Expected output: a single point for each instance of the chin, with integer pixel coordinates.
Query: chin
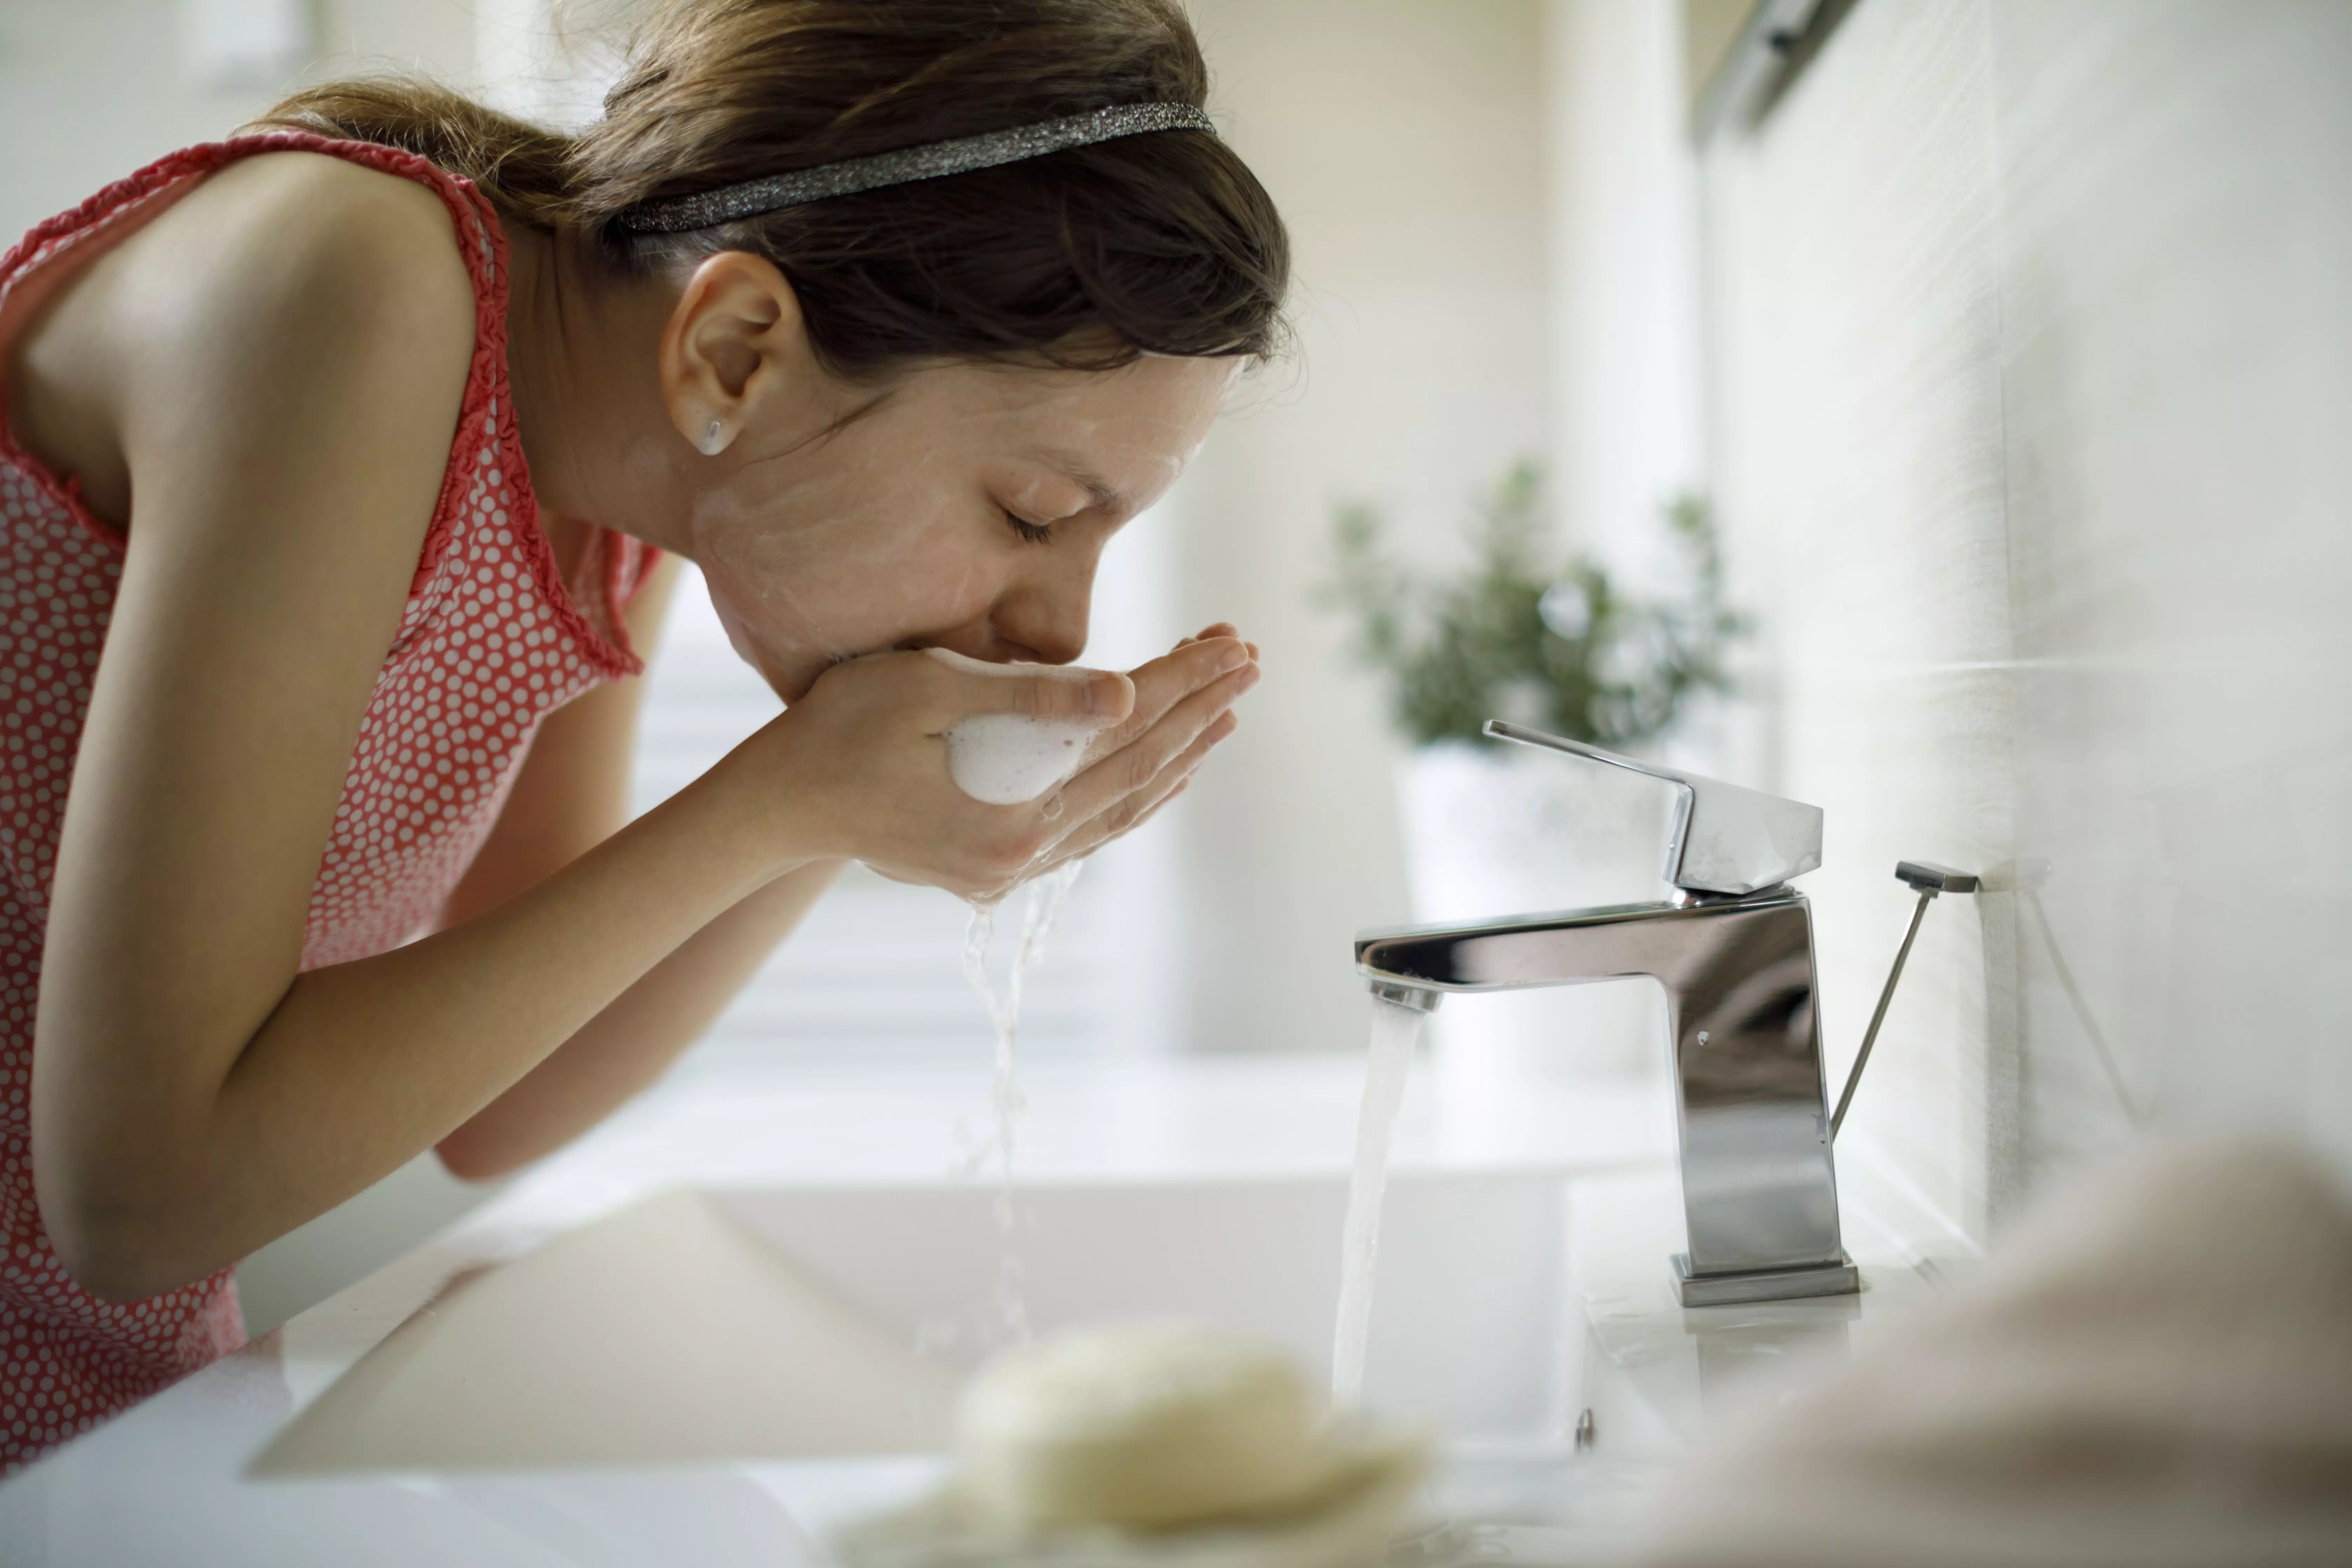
(791, 679)
(791, 685)
(788, 676)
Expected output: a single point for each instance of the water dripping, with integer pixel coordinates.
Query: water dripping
(1041, 906)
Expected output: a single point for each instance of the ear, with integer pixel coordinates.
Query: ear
(735, 346)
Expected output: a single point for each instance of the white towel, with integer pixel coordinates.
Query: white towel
(2155, 1371)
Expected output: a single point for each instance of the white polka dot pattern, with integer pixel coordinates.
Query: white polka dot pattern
(489, 644)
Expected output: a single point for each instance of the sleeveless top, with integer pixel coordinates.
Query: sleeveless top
(492, 640)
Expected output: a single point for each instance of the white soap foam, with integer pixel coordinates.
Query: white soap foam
(1005, 759)
(1395, 1031)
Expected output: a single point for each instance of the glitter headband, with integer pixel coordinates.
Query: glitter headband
(929, 160)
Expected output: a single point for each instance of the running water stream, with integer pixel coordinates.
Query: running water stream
(1395, 1031)
(1040, 905)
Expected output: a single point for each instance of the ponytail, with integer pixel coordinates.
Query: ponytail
(524, 170)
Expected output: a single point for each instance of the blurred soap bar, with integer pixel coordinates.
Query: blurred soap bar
(1139, 1426)
(1005, 759)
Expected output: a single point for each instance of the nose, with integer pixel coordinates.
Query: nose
(1045, 616)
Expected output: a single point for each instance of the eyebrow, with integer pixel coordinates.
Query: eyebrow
(1100, 491)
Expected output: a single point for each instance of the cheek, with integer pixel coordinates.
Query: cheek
(764, 598)
(809, 579)
(750, 649)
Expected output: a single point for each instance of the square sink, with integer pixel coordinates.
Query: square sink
(819, 1324)
(1470, 1320)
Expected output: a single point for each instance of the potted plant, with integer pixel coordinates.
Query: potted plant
(1547, 638)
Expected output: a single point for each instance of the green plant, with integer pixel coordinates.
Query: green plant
(1524, 636)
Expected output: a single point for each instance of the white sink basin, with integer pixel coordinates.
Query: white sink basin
(1468, 1316)
(818, 1324)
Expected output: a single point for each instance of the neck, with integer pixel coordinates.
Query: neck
(582, 345)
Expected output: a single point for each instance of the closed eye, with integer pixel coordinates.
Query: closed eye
(1034, 533)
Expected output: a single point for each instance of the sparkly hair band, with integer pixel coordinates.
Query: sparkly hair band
(705, 209)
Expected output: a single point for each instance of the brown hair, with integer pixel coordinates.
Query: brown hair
(1160, 243)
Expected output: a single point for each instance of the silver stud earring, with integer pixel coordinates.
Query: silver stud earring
(714, 440)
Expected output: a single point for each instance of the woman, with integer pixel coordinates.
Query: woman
(315, 722)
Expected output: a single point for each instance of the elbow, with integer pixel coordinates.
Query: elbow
(121, 1240)
(116, 1256)
(471, 1156)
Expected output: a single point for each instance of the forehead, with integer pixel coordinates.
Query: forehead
(1159, 401)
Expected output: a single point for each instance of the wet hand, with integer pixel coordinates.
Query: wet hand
(858, 769)
(1183, 704)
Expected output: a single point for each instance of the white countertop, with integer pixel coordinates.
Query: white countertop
(165, 1483)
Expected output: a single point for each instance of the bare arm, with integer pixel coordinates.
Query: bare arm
(572, 795)
(628, 1044)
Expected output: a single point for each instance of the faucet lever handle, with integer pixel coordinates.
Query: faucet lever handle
(1727, 839)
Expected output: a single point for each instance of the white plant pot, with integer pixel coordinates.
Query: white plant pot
(1504, 830)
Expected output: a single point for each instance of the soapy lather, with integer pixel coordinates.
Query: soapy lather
(1006, 759)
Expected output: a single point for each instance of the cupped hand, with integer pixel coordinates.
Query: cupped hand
(857, 768)
(1183, 709)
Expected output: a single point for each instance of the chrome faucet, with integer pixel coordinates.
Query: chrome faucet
(1734, 950)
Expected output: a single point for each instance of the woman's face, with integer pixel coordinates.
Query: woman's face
(963, 506)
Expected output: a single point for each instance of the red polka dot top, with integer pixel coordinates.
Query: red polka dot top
(492, 641)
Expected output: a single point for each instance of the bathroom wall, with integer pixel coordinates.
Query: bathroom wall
(1622, 188)
(2029, 364)
(1403, 140)
(1857, 460)
(90, 89)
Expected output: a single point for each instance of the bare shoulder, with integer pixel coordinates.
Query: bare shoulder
(288, 269)
(327, 227)
(286, 289)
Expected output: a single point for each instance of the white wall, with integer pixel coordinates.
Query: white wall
(90, 89)
(2031, 365)
(1402, 141)
(1626, 368)
(2177, 367)
(1857, 382)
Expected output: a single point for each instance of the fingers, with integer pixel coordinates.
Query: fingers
(1040, 691)
(1111, 826)
(1161, 804)
(1221, 630)
(1149, 760)
(1103, 695)
(1138, 808)
(1134, 766)
(1168, 679)
(1141, 806)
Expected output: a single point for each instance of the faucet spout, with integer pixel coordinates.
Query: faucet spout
(1411, 999)
(1759, 1190)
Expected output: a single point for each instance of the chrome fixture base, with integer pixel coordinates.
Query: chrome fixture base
(1839, 1278)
